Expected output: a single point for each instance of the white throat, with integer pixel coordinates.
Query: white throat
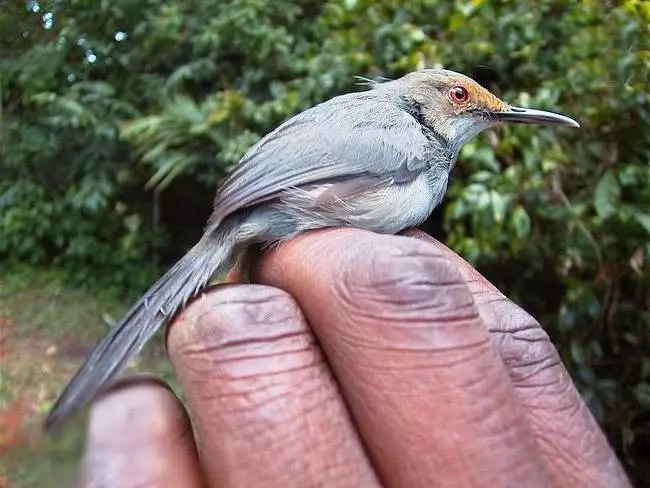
(458, 131)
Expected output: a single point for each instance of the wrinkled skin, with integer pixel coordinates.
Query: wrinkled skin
(358, 360)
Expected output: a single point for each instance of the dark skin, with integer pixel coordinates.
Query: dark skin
(394, 365)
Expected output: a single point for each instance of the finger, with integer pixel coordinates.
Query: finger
(428, 392)
(266, 408)
(573, 446)
(139, 435)
(477, 283)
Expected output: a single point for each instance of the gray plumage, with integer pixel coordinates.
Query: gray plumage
(377, 160)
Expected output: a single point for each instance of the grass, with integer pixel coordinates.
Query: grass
(46, 331)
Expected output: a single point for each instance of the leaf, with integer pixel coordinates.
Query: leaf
(644, 220)
(499, 206)
(520, 222)
(607, 195)
(642, 394)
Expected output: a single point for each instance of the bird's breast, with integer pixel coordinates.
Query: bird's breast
(381, 206)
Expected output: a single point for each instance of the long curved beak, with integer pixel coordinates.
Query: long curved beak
(520, 115)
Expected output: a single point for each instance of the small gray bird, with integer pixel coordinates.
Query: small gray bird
(376, 160)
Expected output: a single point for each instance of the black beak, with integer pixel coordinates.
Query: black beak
(520, 115)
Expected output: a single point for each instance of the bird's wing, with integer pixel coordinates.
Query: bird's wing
(355, 135)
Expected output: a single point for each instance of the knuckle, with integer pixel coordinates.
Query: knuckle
(525, 347)
(148, 412)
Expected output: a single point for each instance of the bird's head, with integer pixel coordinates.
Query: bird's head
(457, 108)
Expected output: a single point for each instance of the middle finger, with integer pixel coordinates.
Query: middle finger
(430, 396)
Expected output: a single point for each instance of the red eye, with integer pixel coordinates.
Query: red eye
(459, 94)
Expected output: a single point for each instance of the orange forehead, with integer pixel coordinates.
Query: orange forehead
(480, 97)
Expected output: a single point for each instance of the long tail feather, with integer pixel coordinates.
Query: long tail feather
(182, 282)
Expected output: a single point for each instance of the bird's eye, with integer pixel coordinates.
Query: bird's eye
(459, 94)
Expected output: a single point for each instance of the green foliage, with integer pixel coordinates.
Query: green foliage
(107, 100)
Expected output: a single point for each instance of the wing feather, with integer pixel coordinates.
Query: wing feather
(358, 134)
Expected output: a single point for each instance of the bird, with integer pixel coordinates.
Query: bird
(377, 159)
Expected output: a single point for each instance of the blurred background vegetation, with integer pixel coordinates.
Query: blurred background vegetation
(118, 119)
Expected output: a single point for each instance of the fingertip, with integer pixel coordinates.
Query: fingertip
(369, 262)
(139, 433)
(186, 326)
(476, 282)
(310, 250)
(205, 319)
(135, 404)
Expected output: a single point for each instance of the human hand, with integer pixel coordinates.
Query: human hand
(359, 360)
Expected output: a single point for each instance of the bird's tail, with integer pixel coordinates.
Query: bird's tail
(213, 254)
